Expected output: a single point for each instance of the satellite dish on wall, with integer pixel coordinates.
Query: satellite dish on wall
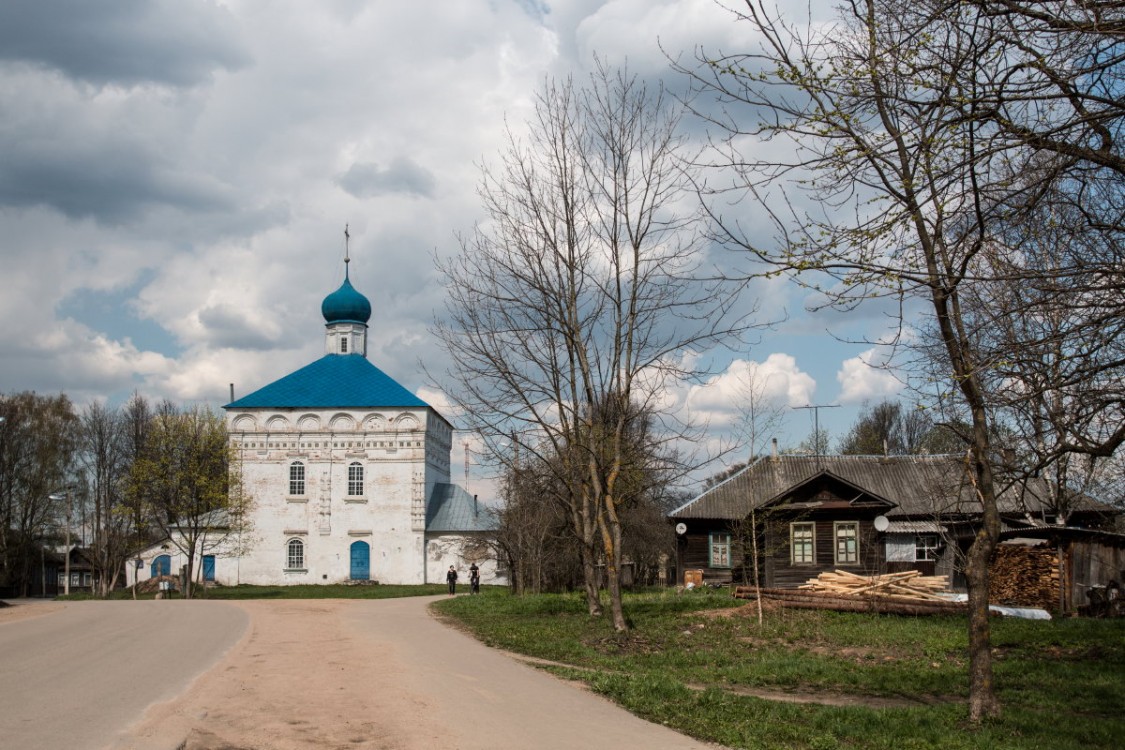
(681, 528)
(881, 523)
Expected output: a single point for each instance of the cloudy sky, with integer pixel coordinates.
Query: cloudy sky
(176, 175)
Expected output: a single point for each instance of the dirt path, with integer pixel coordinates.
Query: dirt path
(381, 674)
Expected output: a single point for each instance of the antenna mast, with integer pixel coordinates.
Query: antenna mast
(816, 426)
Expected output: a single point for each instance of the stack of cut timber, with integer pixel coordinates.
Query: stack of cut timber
(909, 583)
(907, 593)
(1025, 576)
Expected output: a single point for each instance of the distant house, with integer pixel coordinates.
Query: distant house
(865, 514)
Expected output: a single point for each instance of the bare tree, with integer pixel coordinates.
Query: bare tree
(579, 294)
(534, 536)
(104, 468)
(759, 416)
(923, 133)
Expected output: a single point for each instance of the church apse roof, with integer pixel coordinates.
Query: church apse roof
(332, 382)
(451, 508)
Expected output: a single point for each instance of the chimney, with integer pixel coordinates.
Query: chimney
(773, 449)
(474, 505)
(232, 391)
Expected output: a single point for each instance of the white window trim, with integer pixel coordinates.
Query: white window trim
(362, 481)
(920, 549)
(302, 480)
(289, 555)
(836, 526)
(793, 546)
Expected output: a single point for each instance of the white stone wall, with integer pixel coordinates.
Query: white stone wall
(403, 452)
(222, 546)
(460, 551)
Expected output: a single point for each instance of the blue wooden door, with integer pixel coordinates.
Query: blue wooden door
(161, 566)
(361, 561)
(208, 567)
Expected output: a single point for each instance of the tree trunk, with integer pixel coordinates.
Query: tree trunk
(590, 580)
(982, 693)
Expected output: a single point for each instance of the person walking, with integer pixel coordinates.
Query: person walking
(451, 579)
(474, 579)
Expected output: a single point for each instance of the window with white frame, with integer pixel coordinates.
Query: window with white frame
(343, 345)
(802, 543)
(926, 547)
(720, 550)
(295, 555)
(847, 542)
(355, 479)
(296, 478)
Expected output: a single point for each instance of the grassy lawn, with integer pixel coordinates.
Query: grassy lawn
(691, 661)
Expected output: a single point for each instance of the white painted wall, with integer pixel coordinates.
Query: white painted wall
(403, 453)
(460, 551)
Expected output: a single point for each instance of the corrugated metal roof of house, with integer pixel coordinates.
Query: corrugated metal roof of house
(918, 485)
(451, 508)
(334, 381)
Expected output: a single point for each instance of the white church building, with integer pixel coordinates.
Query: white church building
(349, 475)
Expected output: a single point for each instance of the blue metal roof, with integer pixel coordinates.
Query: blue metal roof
(341, 381)
(451, 508)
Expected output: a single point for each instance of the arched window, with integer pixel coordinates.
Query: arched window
(355, 478)
(296, 478)
(295, 555)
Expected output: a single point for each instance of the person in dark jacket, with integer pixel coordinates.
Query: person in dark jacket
(474, 579)
(451, 579)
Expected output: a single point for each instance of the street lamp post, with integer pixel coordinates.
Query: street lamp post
(66, 553)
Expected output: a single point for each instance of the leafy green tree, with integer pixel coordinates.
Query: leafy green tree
(186, 481)
(37, 447)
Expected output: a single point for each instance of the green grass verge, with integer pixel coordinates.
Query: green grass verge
(688, 664)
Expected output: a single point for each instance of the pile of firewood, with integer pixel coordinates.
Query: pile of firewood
(1025, 576)
(910, 583)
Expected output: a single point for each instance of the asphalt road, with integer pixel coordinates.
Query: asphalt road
(74, 677)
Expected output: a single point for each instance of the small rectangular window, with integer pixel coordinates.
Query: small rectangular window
(343, 345)
(847, 542)
(355, 480)
(720, 550)
(802, 543)
(926, 547)
(297, 479)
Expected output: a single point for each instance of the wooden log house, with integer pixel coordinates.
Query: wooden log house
(865, 514)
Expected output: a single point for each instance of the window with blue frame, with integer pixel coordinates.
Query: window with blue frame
(720, 550)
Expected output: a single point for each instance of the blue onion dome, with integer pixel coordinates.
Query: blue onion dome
(346, 305)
